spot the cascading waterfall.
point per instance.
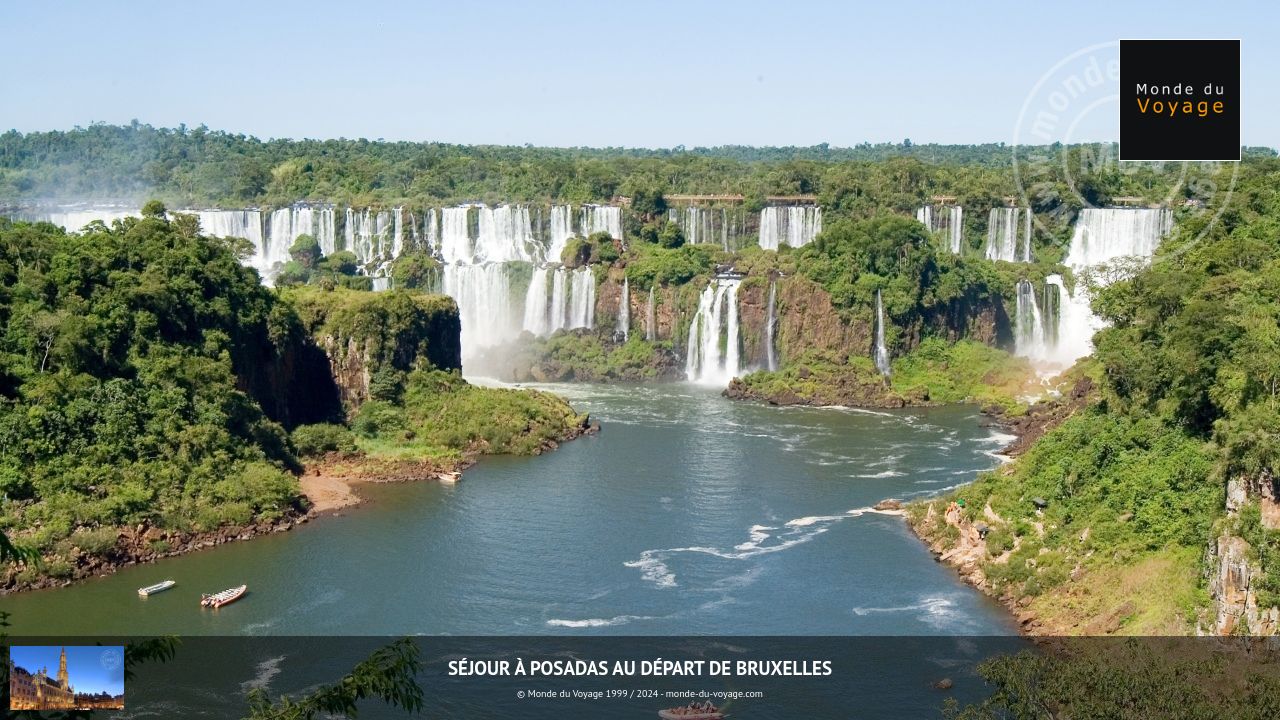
(1101, 236)
(1027, 220)
(795, 225)
(770, 327)
(709, 225)
(1002, 235)
(75, 220)
(483, 294)
(601, 218)
(559, 232)
(623, 329)
(947, 220)
(881, 352)
(246, 225)
(431, 231)
(1029, 328)
(376, 238)
(1105, 234)
(650, 318)
(713, 350)
(560, 299)
(537, 317)
(506, 235)
(455, 235)
(287, 224)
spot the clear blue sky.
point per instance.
(649, 73)
(85, 667)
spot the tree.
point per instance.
(306, 252)
(671, 236)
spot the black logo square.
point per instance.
(1179, 99)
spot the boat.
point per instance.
(158, 587)
(702, 711)
(219, 599)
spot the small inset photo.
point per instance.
(72, 677)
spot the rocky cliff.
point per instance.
(365, 334)
(1232, 565)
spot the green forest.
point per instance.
(1185, 400)
(147, 377)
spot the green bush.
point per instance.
(323, 438)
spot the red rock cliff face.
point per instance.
(672, 309)
(806, 319)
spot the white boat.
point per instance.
(217, 600)
(158, 587)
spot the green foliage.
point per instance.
(671, 236)
(415, 270)
(965, 371)
(322, 438)
(1117, 489)
(584, 357)
(578, 252)
(443, 416)
(126, 352)
(398, 329)
(823, 378)
(649, 265)
(1144, 678)
(390, 674)
(305, 251)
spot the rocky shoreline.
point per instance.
(965, 552)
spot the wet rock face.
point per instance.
(1232, 574)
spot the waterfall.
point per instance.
(431, 231)
(1002, 234)
(287, 224)
(624, 311)
(1101, 236)
(770, 328)
(708, 360)
(881, 352)
(1026, 236)
(948, 220)
(376, 238)
(483, 294)
(924, 216)
(505, 235)
(650, 317)
(794, 225)
(709, 225)
(560, 299)
(1105, 234)
(1073, 322)
(246, 225)
(601, 218)
(455, 235)
(75, 220)
(582, 298)
(1029, 328)
(560, 231)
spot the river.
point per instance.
(687, 514)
